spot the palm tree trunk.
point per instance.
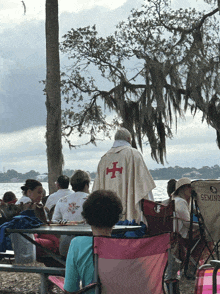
(53, 100)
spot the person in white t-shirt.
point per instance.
(182, 198)
(69, 208)
(62, 185)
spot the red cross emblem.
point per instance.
(114, 170)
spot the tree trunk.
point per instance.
(53, 100)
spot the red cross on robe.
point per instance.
(114, 170)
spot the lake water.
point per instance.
(159, 192)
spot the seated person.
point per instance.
(69, 207)
(9, 197)
(171, 187)
(102, 211)
(25, 252)
(7, 207)
(32, 191)
(62, 185)
(182, 198)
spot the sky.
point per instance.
(22, 102)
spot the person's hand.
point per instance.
(62, 222)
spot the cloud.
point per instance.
(23, 60)
(194, 145)
(22, 103)
(12, 11)
(26, 150)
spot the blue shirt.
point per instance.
(79, 264)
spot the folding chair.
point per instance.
(206, 196)
(129, 265)
(208, 278)
(161, 219)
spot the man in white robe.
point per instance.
(123, 170)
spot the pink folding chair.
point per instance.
(208, 278)
(129, 265)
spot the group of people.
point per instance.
(122, 181)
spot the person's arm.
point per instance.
(182, 210)
(57, 215)
(72, 279)
(48, 204)
(183, 213)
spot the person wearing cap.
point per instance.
(182, 197)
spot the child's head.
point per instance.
(102, 209)
(9, 197)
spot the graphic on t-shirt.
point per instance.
(72, 207)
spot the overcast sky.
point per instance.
(22, 103)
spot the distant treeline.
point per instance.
(13, 176)
(176, 172)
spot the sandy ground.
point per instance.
(18, 283)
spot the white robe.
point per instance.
(123, 170)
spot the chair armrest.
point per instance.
(215, 263)
(87, 288)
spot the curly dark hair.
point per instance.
(102, 209)
(30, 184)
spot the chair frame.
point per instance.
(190, 246)
(202, 228)
(96, 284)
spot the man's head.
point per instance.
(63, 182)
(79, 180)
(102, 209)
(123, 134)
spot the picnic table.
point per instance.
(54, 229)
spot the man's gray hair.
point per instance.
(123, 134)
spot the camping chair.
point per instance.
(208, 278)
(161, 219)
(128, 265)
(206, 196)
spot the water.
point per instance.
(159, 192)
